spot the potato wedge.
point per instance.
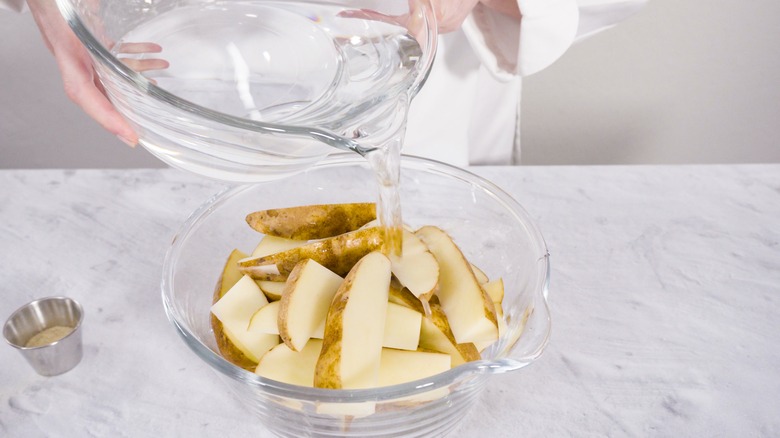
(469, 309)
(271, 245)
(339, 254)
(416, 268)
(312, 221)
(354, 329)
(436, 335)
(305, 302)
(235, 310)
(230, 276)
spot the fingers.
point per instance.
(450, 15)
(506, 7)
(368, 14)
(137, 48)
(78, 80)
(76, 69)
(142, 65)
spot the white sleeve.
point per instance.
(13, 5)
(509, 47)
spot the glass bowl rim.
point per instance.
(399, 391)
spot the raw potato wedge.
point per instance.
(266, 319)
(230, 273)
(436, 335)
(272, 289)
(354, 328)
(312, 221)
(495, 290)
(270, 245)
(288, 366)
(339, 254)
(470, 312)
(305, 302)
(482, 278)
(400, 366)
(230, 276)
(402, 328)
(416, 268)
(235, 309)
(402, 296)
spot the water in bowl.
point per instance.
(294, 63)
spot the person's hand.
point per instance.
(80, 81)
(450, 14)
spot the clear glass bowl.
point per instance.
(253, 90)
(491, 228)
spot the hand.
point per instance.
(450, 14)
(80, 81)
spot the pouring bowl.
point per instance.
(253, 90)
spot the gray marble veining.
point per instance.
(665, 294)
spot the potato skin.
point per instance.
(312, 221)
(339, 254)
(326, 374)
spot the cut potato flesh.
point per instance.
(416, 268)
(436, 335)
(272, 289)
(471, 313)
(235, 309)
(230, 273)
(402, 296)
(400, 366)
(402, 328)
(305, 302)
(354, 329)
(266, 319)
(495, 290)
(228, 350)
(295, 367)
(482, 278)
(271, 245)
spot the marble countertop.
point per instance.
(665, 299)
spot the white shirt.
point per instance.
(468, 110)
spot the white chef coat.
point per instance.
(468, 111)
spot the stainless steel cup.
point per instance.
(56, 357)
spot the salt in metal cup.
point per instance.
(56, 357)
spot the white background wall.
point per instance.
(684, 81)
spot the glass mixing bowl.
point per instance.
(251, 90)
(491, 228)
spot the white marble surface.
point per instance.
(665, 298)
